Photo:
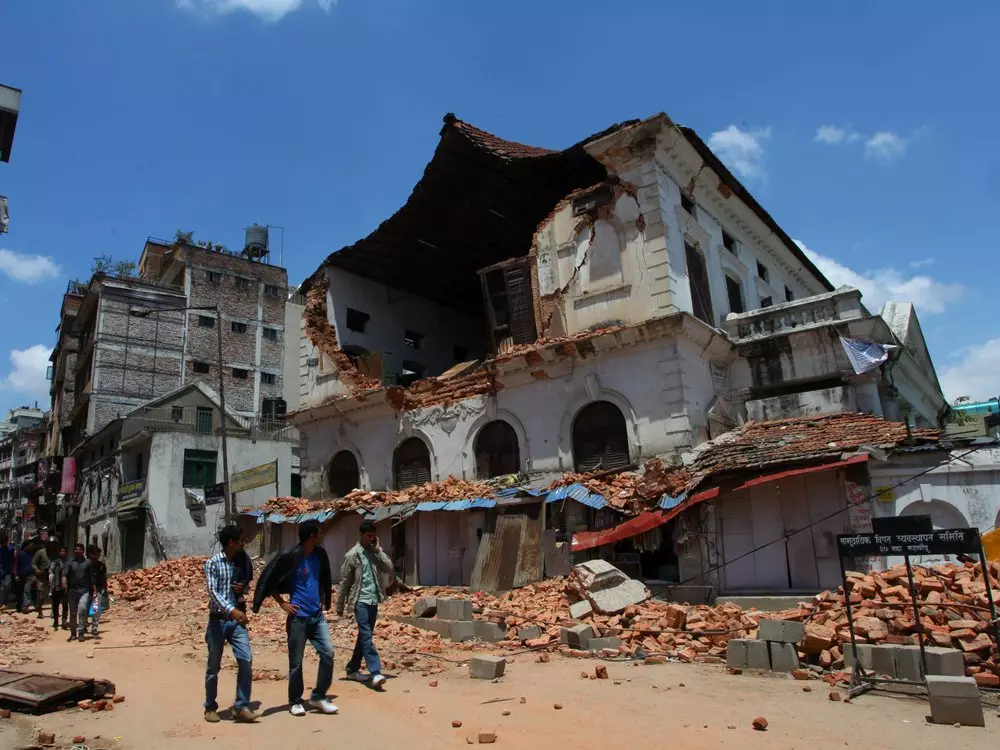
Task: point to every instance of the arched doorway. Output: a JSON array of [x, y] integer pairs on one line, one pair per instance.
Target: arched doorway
[[344, 474], [497, 451], [600, 438], [411, 463], [943, 515]]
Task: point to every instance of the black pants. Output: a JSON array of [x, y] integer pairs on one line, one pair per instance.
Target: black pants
[[19, 585], [59, 601]]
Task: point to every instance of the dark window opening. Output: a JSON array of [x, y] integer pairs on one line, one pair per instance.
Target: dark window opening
[[460, 354], [199, 467], [688, 204], [412, 338], [270, 290], [242, 283], [240, 374], [239, 327], [510, 310], [789, 295], [496, 450], [600, 438], [344, 476], [205, 321], [411, 463], [267, 378], [355, 353], [735, 291], [411, 372], [766, 302], [214, 277], [728, 242], [357, 320], [177, 413], [203, 420], [201, 368], [139, 467], [271, 334], [762, 270], [701, 297], [273, 409]]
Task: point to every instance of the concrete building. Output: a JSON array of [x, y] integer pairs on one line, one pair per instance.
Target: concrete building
[[23, 472], [145, 484]]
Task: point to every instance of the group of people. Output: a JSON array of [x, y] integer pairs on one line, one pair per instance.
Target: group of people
[[300, 581], [38, 571]]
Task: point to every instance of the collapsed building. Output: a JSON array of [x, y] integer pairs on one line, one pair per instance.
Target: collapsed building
[[542, 320]]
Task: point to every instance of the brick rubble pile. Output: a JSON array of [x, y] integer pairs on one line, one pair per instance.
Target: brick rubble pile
[[19, 634], [629, 491]]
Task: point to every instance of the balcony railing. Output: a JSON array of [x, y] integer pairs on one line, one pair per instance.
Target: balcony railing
[[205, 422], [790, 317]]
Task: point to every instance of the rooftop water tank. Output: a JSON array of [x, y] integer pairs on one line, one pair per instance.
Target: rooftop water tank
[[256, 242]]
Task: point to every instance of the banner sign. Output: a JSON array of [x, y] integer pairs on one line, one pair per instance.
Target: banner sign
[[255, 477], [215, 493], [131, 490], [942, 542], [68, 476]]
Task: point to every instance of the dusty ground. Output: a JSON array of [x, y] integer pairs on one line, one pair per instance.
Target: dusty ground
[[685, 706]]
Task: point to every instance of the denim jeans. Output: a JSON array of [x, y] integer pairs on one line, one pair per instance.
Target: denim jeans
[[365, 614], [317, 632], [73, 600], [217, 635]]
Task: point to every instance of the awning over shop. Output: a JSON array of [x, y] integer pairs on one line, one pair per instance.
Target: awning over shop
[[130, 510]]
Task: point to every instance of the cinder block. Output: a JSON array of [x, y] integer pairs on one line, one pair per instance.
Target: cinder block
[[487, 667], [489, 631], [864, 656], [577, 636], [908, 665], [596, 644], [883, 660], [454, 609], [461, 630], [784, 657], [758, 655], [736, 653], [425, 606], [579, 610], [781, 631], [955, 700], [945, 661], [529, 632]]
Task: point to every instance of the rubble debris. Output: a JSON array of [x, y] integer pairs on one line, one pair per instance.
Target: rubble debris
[[456, 724], [46, 738], [631, 492], [487, 737], [608, 590], [484, 667], [760, 724]]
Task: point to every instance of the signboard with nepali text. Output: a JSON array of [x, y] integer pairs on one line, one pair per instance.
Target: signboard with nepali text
[[258, 476], [131, 490], [941, 542]]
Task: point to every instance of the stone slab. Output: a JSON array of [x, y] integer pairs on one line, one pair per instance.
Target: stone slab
[[908, 664], [425, 606], [489, 631], [596, 644], [461, 630], [864, 656], [944, 686], [611, 601], [781, 631], [454, 609], [758, 655], [529, 632], [579, 610], [945, 661], [578, 636], [784, 657], [487, 667], [965, 711], [736, 653], [883, 660]]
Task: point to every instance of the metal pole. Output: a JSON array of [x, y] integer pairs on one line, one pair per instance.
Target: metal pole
[[989, 590], [227, 498], [916, 613], [850, 626]]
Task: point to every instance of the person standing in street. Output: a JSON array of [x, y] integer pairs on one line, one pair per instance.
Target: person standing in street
[[6, 568], [97, 599], [40, 563], [78, 581], [56, 570], [22, 575], [303, 574], [361, 589], [227, 623]]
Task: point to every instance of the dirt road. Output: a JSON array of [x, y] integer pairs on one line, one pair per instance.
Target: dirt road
[[676, 705]]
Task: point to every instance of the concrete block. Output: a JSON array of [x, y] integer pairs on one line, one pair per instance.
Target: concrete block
[[454, 609], [529, 632], [908, 665], [945, 661], [758, 655], [577, 636], [487, 667], [596, 644], [736, 653], [784, 657], [781, 631], [461, 630], [883, 661], [489, 631], [579, 610], [425, 606], [955, 700], [864, 656]]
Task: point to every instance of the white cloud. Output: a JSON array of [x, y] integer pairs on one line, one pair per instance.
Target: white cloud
[[741, 150], [922, 263], [28, 268], [886, 146], [929, 296], [833, 135], [976, 375], [28, 370], [268, 10]]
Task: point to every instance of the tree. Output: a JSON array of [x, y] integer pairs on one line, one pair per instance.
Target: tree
[[183, 238], [124, 269], [101, 264]]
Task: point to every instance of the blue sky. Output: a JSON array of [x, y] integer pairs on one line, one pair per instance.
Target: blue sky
[[867, 129]]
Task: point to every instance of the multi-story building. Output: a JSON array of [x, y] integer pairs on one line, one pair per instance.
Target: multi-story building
[[23, 470], [539, 312], [10, 107]]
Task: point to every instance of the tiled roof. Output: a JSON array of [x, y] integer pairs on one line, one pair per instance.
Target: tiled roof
[[497, 145], [801, 439]]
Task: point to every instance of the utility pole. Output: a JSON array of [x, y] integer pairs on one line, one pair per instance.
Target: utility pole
[[227, 495]]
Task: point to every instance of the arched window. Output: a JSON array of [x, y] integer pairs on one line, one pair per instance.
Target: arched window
[[943, 515], [600, 439], [497, 451], [411, 463], [344, 475]]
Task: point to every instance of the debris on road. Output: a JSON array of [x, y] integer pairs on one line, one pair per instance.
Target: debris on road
[[760, 724]]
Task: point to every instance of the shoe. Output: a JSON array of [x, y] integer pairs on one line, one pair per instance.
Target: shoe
[[244, 716], [212, 717], [378, 680], [296, 709], [323, 706], [357, 676], [71, 638]]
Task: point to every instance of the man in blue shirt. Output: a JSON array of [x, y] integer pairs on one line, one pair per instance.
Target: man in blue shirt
[[304, 575]]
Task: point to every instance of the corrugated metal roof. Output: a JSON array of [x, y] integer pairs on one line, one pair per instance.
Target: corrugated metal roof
[[520, 491], [579, 493], [667, 502]]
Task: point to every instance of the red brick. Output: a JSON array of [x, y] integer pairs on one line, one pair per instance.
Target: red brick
[[760, 724], [985, 679]]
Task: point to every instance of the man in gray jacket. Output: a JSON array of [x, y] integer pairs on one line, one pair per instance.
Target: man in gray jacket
[[361, 588]]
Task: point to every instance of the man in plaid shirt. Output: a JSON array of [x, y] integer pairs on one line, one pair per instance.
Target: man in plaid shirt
[[227, 623]]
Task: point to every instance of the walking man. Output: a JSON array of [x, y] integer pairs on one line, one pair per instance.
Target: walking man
[[22, 575], [56, 571], [78, 581], [6, 568], [227, 623], [98, 593], [362, 590], [40, 563]]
